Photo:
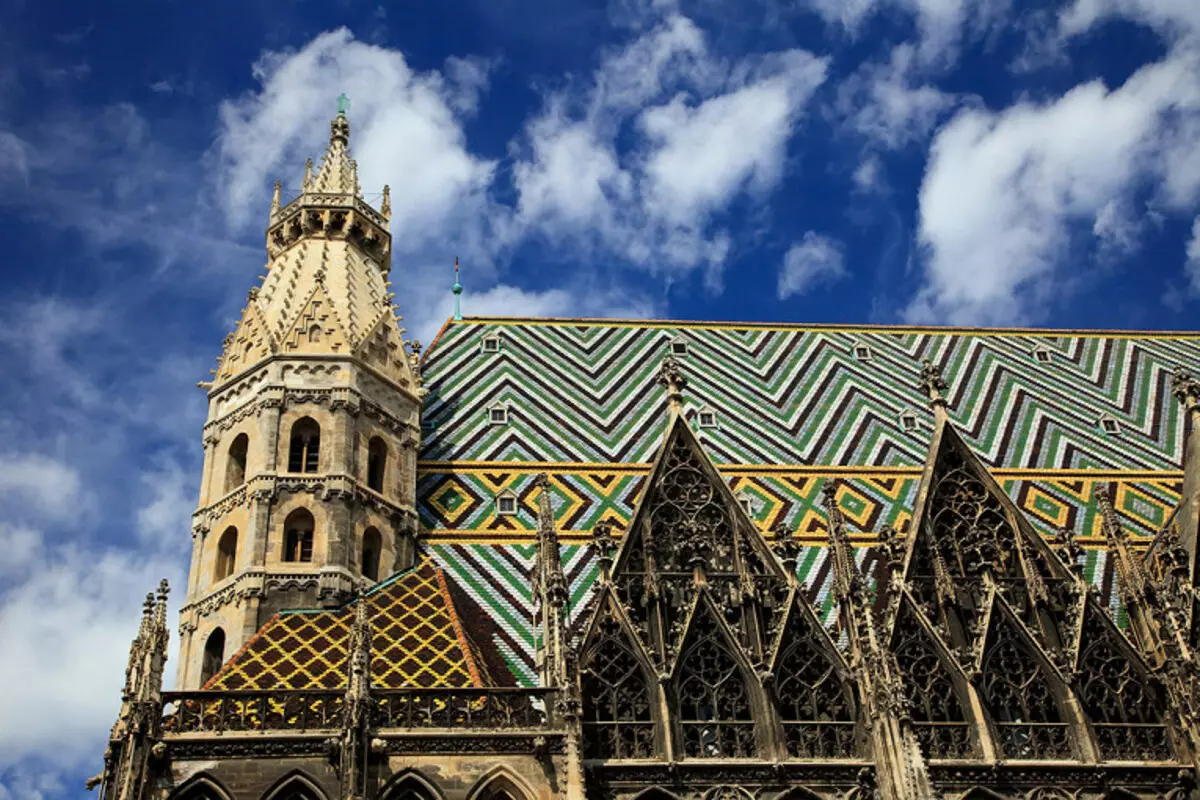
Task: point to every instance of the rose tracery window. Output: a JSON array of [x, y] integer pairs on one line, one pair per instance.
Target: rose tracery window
[[714, 700], [1128, 726], [938, 719], [1022, 701], [617, 718], [814, 704]]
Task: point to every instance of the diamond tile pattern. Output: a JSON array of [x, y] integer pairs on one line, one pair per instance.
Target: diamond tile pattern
[[418, 640]]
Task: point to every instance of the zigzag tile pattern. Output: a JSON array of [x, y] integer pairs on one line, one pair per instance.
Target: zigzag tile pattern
[[795, 406], [586, 392]]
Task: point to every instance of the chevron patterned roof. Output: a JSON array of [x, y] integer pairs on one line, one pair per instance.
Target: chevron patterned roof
[[794, 405]]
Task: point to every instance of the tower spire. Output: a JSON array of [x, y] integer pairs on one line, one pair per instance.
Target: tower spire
[[457, 289], [339, 172]]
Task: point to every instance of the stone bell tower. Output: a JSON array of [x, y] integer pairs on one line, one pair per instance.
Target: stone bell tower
[[313, 425]]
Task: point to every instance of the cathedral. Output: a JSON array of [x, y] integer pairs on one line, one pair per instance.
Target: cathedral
[[605, 560]]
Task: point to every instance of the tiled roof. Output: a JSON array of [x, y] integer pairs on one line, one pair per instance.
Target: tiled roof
[[418, 639], [794, 406]]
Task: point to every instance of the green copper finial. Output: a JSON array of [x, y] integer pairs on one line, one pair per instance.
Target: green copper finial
[[343, 104], [457, 289]]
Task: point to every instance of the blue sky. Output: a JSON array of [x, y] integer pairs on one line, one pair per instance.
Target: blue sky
[[926, 161]]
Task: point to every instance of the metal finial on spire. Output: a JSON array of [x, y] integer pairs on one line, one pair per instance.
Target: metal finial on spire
[[457, 289], [671, 376], [343, 104], [932, 384]]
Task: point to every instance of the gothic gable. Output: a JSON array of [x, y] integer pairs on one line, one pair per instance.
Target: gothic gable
[[1114, 687], [934, 685], [249, 343], [316, 329], [383, 348], [715, 688], [687, 519], [1022, 690], [618, 686], [813, 687]]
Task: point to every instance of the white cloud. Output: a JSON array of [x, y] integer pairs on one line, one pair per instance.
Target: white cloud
[[30, 482], [889, 103], [942, 24], [1003, 190], [1173, 17], [1193, 258], [704, 133], [406, 132], [814, 260]]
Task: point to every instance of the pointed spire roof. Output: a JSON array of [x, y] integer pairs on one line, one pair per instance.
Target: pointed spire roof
[[339, 172]]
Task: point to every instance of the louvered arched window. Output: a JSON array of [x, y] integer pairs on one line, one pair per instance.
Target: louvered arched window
[[617, 717], [715, 713]]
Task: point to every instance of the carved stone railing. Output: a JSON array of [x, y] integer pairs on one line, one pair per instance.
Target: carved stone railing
[[321, 710], [1133, 742], [824, 739], [945, 740], [456, 709], [1034, 740], [223, 712]]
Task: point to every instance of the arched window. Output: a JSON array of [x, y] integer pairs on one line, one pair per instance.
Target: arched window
[[235, 466], [314, 333], [938, 719], [617, 720], [411, 786], [714, 700], [200, 787], [372, 546], [304, 454], [815, 705], [377, 456], [214, 656], [497, 787], [1116, 699], [296, 786], [298, 536], [1018, 693], [226, 554]]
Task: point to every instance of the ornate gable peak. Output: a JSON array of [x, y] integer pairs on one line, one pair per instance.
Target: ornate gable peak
[[799, 609], [908, 607], [317, 328], [250, 342], [1001, 613], [382, 346], [608, 606], [705, 611], [959, 498], [1090, 609], [682, 459]]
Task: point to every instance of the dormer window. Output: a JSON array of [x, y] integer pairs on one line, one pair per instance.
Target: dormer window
[[909, 422], [1110, 425], [1042, 354], [707, 418], [491, 343], [679, 347], [498, 414], [862, 352], [506, 504], [747, 504]]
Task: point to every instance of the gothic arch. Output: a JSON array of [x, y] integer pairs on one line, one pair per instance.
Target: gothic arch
[[1111, 682], [213, 657], [814, 698], [982, 793], [620, 693], [235, 464], [933, 685], [304, 446], [798, 793], [201, 787], [1022, 691], [501, 783], [410, 784], [715, 692], [296, 785], [655, 793]]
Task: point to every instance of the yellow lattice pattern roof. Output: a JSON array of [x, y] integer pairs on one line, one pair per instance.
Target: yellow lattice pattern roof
[[417, 640]]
